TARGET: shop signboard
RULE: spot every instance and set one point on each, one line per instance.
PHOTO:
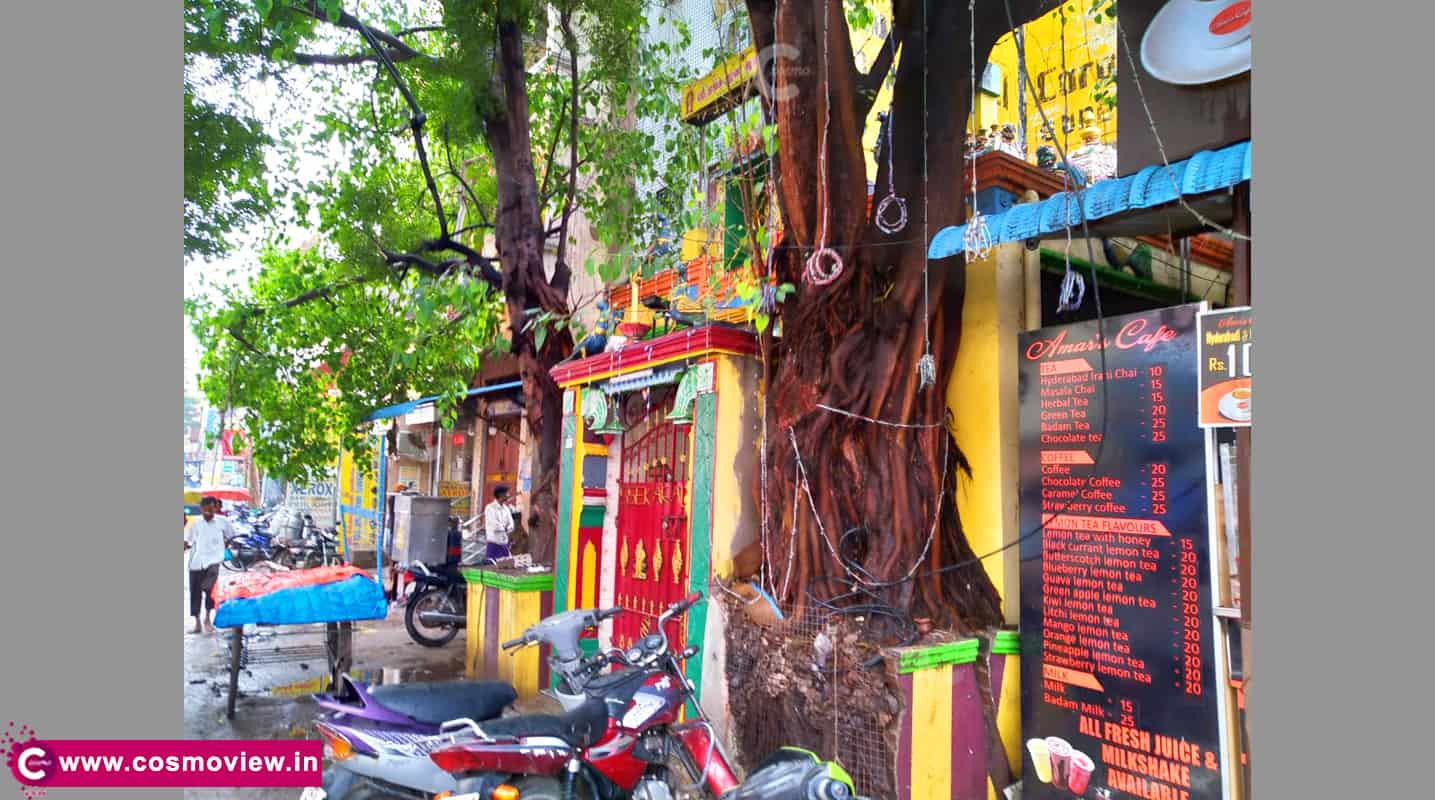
(458, 490)
(1191, 75)
(1119, 667)
(316, 499)
(1225, 369)
(709, 95)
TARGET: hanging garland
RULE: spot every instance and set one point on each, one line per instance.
(1073, 286)
(892, 200)
(824, 265)
(977, 240)
(927, 364)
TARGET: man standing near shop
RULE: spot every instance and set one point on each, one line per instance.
(204, 539)
(498, 524)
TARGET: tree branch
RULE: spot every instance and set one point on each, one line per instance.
(551, 152)
(562, 275)
(310, 59)
(454, 171)
(418, 29)
(870, 84)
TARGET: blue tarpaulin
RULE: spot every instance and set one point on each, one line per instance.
(354, 598)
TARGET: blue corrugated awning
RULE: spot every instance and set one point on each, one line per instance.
(400, 409)
(1206, 171)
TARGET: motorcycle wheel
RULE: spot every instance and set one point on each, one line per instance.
(239, 559)
(283, 557)
(430, 599)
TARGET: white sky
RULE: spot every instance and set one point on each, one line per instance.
(203, 277)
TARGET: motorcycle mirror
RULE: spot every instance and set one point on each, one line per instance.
(690, 651)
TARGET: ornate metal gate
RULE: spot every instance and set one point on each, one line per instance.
(653, 531)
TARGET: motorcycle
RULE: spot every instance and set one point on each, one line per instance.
(380, 739)
(616, 740)
(316, 547)
(440, 603)
(244, 550)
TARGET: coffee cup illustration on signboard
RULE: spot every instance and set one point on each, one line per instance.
(1192, 42)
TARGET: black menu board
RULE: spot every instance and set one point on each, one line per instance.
(1119, 696)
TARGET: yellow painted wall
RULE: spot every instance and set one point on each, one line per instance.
(1091, 51)
(735, 517)
(983, 400)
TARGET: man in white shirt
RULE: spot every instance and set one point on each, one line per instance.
(204, 539)
(498, 524)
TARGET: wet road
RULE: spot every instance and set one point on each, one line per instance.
(274, 700)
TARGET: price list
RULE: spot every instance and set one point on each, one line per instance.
(1116, 618)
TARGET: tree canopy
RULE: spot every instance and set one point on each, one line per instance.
(426, 228)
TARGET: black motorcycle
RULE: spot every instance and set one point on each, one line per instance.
(316, 547)
(438, 608)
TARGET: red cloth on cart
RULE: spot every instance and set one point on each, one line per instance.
(256, 584)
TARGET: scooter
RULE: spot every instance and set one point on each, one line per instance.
(616, 743)
(380, 739)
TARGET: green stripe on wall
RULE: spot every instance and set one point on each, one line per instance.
(565, 513)
(591, 517)
(701, 525)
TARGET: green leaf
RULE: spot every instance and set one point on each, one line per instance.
(264, 7)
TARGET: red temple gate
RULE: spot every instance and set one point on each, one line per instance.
(653, 531)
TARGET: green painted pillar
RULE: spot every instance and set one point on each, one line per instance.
(568, 479)
(700, 565)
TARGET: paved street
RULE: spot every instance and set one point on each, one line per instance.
(274, 698)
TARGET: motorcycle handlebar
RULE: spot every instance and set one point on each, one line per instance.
(512, 643)
(609, 613)
(685, 603)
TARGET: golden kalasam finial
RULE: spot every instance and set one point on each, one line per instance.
(633, 298)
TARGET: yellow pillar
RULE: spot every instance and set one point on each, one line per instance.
(982, 394)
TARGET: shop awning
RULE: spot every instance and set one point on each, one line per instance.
(400, 409)
(1204, 172)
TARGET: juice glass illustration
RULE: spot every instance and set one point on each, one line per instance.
(1060, 751)
(1040, 759)
(1081, 768)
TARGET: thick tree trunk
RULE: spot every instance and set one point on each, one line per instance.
(855, 343)
(518, 229)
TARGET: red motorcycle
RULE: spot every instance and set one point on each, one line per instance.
(618, 744)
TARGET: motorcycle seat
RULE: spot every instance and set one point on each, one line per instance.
(582, 727)
(437, 703)
(618, 686)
